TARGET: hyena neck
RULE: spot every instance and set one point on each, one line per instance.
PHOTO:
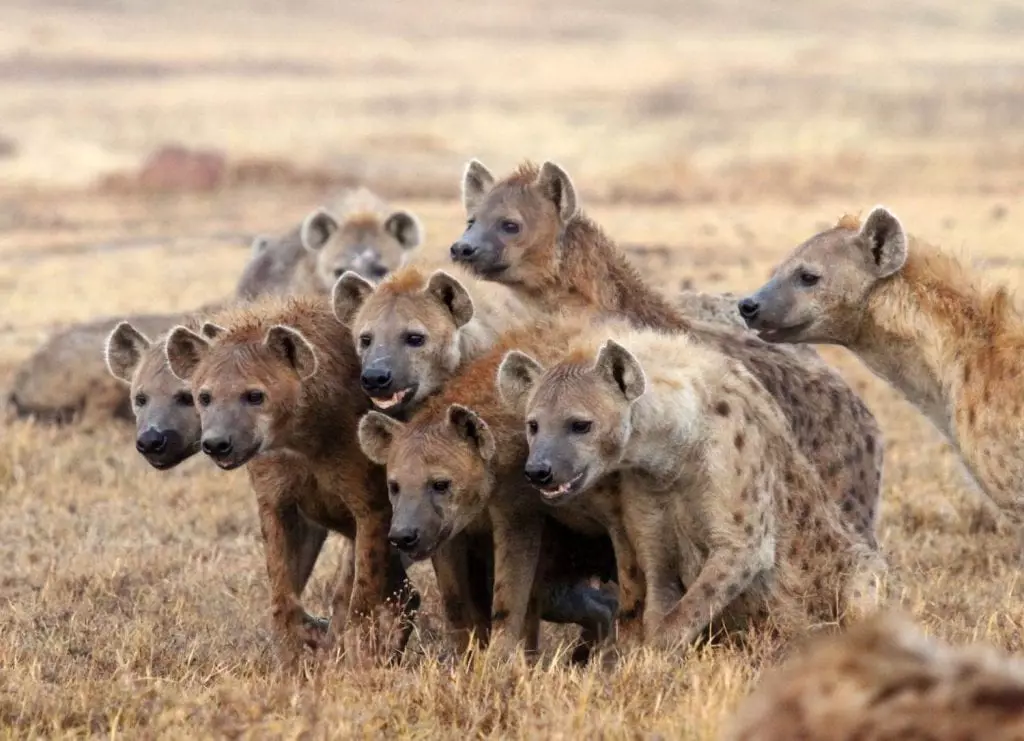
(664, 423)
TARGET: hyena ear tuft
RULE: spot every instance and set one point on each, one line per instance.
(556, 186)
(289, 345)
(211, 331)
(453, 295)
(470, 427)
(316, 229)
(517, 375)
(124, 349)
(349, 293)
(184, 350)
(376, 434)
(406, 228)
(620, 368)
(477, 180)
(259, 246)
(883, 235)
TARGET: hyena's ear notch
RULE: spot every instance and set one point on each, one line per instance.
(184, 350)
(349, 293)
(517, 375)
(211, 331)
(259, 245)
(376, 433)
(883, 236)
(405, 228)
(452, 295)
(556, 185)
(317, 229)
(617, 365)
(123, 351)
(477, 181)
(468, 425)
(294, 349)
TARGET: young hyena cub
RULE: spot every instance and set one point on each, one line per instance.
(415, 329)
(882, 680)
(276, 390)
(919, 320)
(715, 494)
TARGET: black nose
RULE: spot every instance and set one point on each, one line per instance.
(151, 441)
(539, 474)
(749, 308)
(375, 379)
(463, 251)
(404, 539)
(216, 447)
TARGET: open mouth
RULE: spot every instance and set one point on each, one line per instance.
(237, 461)
(781, 334)
(395, 400)
(560, 493)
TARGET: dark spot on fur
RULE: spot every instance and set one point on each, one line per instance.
(500, 615)
(869, 445)
(722, 408)
(967, 372)
(738, 441)
(708, 589)
(737, 517)
(749, 530)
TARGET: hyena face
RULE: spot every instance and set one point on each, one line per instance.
(167, 423)
(819, 292)
(512, 225)
(245, 389)
(577, 416)
(405, 333)
(438, 476)
(364, 243)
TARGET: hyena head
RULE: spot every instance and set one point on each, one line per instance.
(513, 226)
(439, 478)
(246, 389)
(167, 422)
(578, 416)
(363, 243)
(820, 291)
(406, 333)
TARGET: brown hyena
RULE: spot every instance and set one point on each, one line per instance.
(528, 232)
(455, 470)
(276, 389)
(416, 328)
(881, 680)
(715, 494)
(918, 319)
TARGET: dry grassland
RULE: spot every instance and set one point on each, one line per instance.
(707, 137)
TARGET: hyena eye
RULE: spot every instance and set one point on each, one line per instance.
(469, 223)
(140, 400)
(184, 398)
(580, 426)
(365, 340)
(393, 488)
(808, 278)
(338, 272)
(254, 397)
(378, 271)
(205, 398)
(531, 427)
(509, 227)
(415, 339)
(441, 485)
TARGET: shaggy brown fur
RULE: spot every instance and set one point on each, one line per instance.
(885, 680)
(559, 257)
(920, 320)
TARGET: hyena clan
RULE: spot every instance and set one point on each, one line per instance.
(528, 232)
(918, 319)
(715, 495)
(277, 391)
(881, 680)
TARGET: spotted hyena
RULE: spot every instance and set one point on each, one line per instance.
(920, 320)
(715, 495)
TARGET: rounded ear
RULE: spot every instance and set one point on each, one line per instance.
(289, 345)
(349, 293)
(452, 294)
(555, 185)
(477, 180)
(517, 375)
(376, 433)
(124, 349)
(211, 331)
(406, 228)
(184, 350)
(316, 229)
(259, 245)
(619, 367)
(470, 427)
(883, 235)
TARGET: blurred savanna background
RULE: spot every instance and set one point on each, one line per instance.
(142, 147)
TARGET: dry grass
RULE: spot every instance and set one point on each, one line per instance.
(715, 135)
